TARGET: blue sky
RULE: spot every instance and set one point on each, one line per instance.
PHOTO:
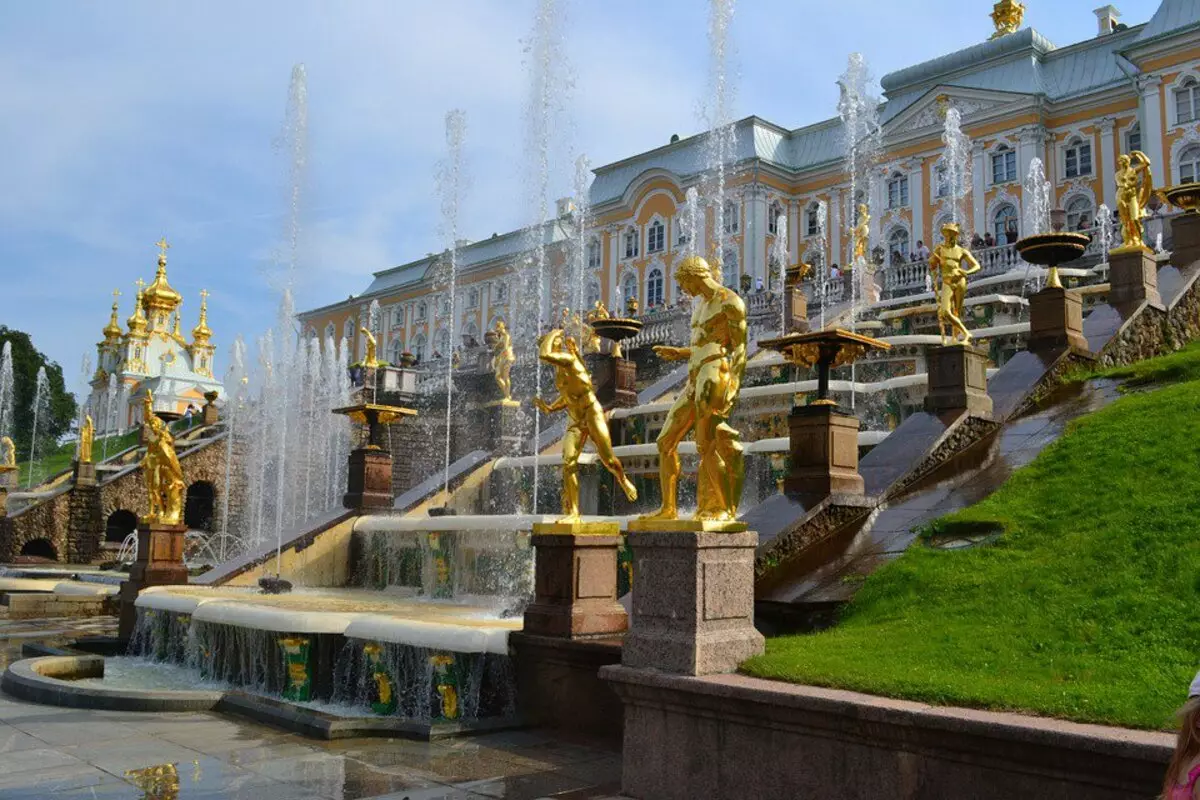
(124, 121)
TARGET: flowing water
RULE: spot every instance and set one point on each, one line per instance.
(41, 419)
(449, 181)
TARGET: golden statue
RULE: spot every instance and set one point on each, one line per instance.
(87, 435)
(1006, 16)
(1134, 187)
(8, 452)
(502, 360)
(160, 469)
(862, 233)
(585, 419)
(371, 360)
(945, 262)
(716, 360)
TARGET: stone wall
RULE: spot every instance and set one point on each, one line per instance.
(733, 737)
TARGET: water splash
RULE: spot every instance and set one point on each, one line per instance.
(720, 142)
(449, 181)
(41, 419)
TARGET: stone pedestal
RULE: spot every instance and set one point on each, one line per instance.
(159, 563)
(1055, 320)
(1132, 277)
(957, 380)
(693, 609)
(795, 310)
(370, 480)
(1185, 240)
(575, 586)
(824, 452)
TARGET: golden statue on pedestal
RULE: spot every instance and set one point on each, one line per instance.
(160, 469)
(585, 419)
(1134, 187)
(87, 435)
(862, 234)
(716, 361)
(503, 359)
(950, 279)
(371, 359)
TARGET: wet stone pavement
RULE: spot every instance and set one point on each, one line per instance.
(52, 752)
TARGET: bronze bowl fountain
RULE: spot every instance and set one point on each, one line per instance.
(1054, 248)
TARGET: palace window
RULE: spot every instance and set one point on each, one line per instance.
(731, 217)
(773, 215)
(1077, 158)
(1133, 138)
(898, 246)
(593, 254)
(629, 290)
(654, 288)
(1189, 164)
(812, 219)
(631, 243)
(1187, 101)
(897, 189)
(1004, 165)
(656, 237)
(1004, 224)
(1079, 214)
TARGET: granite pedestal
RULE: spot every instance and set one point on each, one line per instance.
(575, 585)
(159, 563)
(693, 610)
(1185, 236)
(1132, 277)
(957, 380)
(1055, 320)
(369, 484)
(824, 452)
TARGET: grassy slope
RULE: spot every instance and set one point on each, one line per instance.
(1085, 609)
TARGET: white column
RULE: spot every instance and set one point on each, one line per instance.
(1150, 108)
(1107, 163)
(754, 241)
(833, 227)
(978, 182)
(916, 196)
(1032, 145)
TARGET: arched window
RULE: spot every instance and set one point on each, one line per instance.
(418, 347)
(731, 216)
(422, 310)
(1004, 224)
(593, 254)
(1077, 157)
(898, 246)
(1004, 164)
(656, 237)
(631, 243)
(593, 294)
(629, 289)
(812, 219)
(729, 268)
(1187, 101)
(1079, 214)
(773, 215)
(1133, 138)
(897, 189)
(394, 351)
(473, 298)
(654, 288)
(1189, 164)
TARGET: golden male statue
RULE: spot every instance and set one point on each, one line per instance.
(946, 263)
(1134, 187)
(160, 469)
(502, 360)
(585, 419)
(87, 436)
(716, 361)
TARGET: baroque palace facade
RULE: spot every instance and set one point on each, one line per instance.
(1076, 108)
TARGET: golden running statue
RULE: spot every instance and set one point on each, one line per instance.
(87, 435)
(502, 360)
(8, 452)
(160, 469)
(372, 347)
(1134, 187)
(716, 360)
(945, 262)
(862, 233)
(585, 419)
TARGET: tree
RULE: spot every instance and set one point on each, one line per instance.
(26, 362)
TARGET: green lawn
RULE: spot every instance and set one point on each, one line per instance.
(1086, 608)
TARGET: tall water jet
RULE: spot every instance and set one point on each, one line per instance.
(779, 254)
(719, 143)
(450, 179)
(6, 390)
(41, 418)
(956, 168)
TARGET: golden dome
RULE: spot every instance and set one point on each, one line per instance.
(112, 331)
(201, 333)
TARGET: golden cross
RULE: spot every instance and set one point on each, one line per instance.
(162, 246)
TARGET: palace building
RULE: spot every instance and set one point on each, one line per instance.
(151, 354)
(1076, 107)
